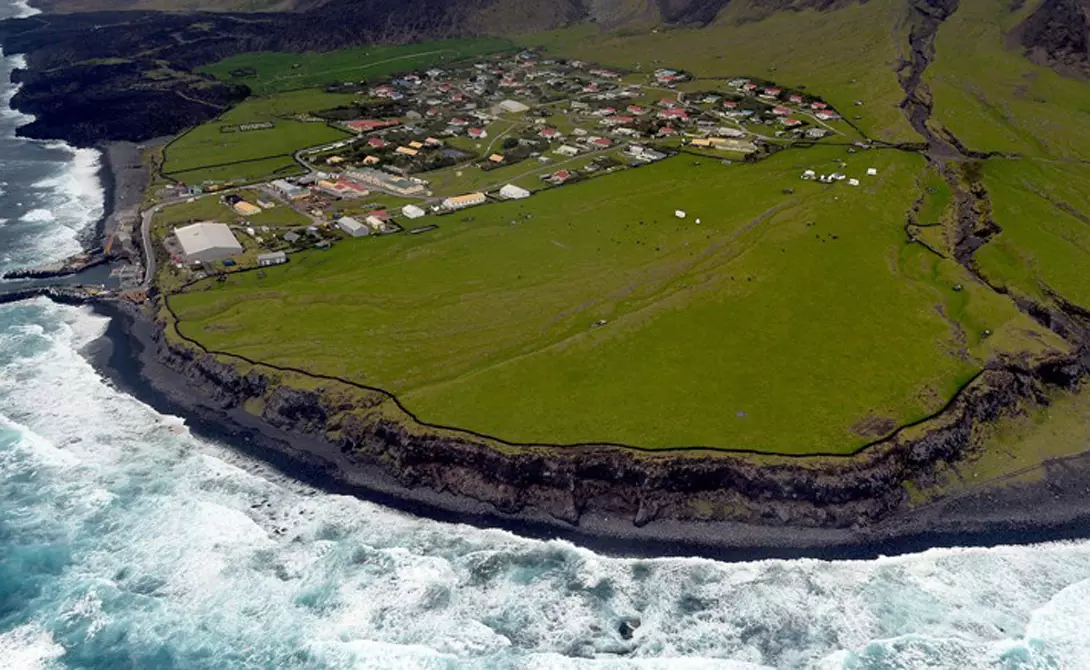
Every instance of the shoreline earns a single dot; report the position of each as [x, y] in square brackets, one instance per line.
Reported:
[1056, 508]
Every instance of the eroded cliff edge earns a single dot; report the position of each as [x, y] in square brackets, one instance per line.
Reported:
[687, 501]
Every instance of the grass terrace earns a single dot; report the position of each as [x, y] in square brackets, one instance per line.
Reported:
[794, 318]
[208, 153]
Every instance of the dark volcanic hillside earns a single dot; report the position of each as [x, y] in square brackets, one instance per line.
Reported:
[1058, 33]
[96, 76]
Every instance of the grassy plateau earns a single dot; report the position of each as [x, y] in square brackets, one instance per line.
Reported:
[787, 322]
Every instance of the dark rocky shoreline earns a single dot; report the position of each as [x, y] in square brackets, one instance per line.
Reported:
[433, 478]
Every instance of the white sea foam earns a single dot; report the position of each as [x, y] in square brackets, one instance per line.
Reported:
[221, 556]
[27, 648]
[23, 9]
[39, 215]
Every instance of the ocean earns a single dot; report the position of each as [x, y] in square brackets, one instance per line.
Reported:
[127, 542]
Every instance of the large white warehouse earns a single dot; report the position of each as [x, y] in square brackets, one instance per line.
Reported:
[207, 241]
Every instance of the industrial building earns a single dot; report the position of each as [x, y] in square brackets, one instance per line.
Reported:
[412, 212]
[512, 192]
[467, 200]
[353, 227]
[386, 181]
[207, 242]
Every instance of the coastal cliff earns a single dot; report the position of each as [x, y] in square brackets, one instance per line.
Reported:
[345, 439]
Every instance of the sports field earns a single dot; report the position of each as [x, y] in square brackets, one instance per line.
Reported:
[267, 72]
[791, 322]
[207, 152]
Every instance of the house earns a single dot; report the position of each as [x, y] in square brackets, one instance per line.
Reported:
[795, 99]
[560, 176]
[416, 145]
[826, 115]
[461, 201]
[635, 109]
[780, 110]
[351, 227]
[617, 121]
[512, 192]
[477, 133]
[407, 151]
[496, 158]
[567, 150]
[412, 212]
[367, 125]
[730, 104]
[371, 160]
[772, 93]
[274, 258]
[674, 113]
[292, 237]
[458, 121]
[376, 223]
[818, 105]
[206, 242]
[549, 133]
[601, 142]
[791, 123]
[432, 142]
[669, 103]
[816, 133]
[666, 130]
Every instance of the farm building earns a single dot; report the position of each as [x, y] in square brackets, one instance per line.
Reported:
[353, 227]
[274, 258]
[207, 241]
[460, 201]
[412, 212]
[512, 192]
[289, 190]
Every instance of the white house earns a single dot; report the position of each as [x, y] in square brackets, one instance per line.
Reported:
[352, 227]
[207, 241]
[872, 171]
[512, 192]
[412, 212]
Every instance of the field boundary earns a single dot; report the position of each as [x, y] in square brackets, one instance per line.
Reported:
[468, 432]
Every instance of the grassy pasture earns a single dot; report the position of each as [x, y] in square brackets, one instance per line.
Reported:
[993, 98]
[276, 72]
[787, 322]
[1044, 211]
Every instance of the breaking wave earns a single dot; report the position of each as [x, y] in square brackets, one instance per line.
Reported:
[139, 542]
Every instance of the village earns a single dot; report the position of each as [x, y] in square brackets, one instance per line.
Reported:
[428, 144]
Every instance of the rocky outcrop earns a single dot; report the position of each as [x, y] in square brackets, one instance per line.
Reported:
[1058, 34]
[567, 483]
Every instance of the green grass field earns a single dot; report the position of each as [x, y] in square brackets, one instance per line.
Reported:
[275, 72]
[1044, 211]
[791, 323]
[994, 99]
[208, 153]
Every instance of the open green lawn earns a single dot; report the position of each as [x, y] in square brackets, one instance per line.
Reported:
[1043, 208]
[209, 208]
[993, 98]
[789, 322]
[844, 55]
[275, 72]
[206, 152]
